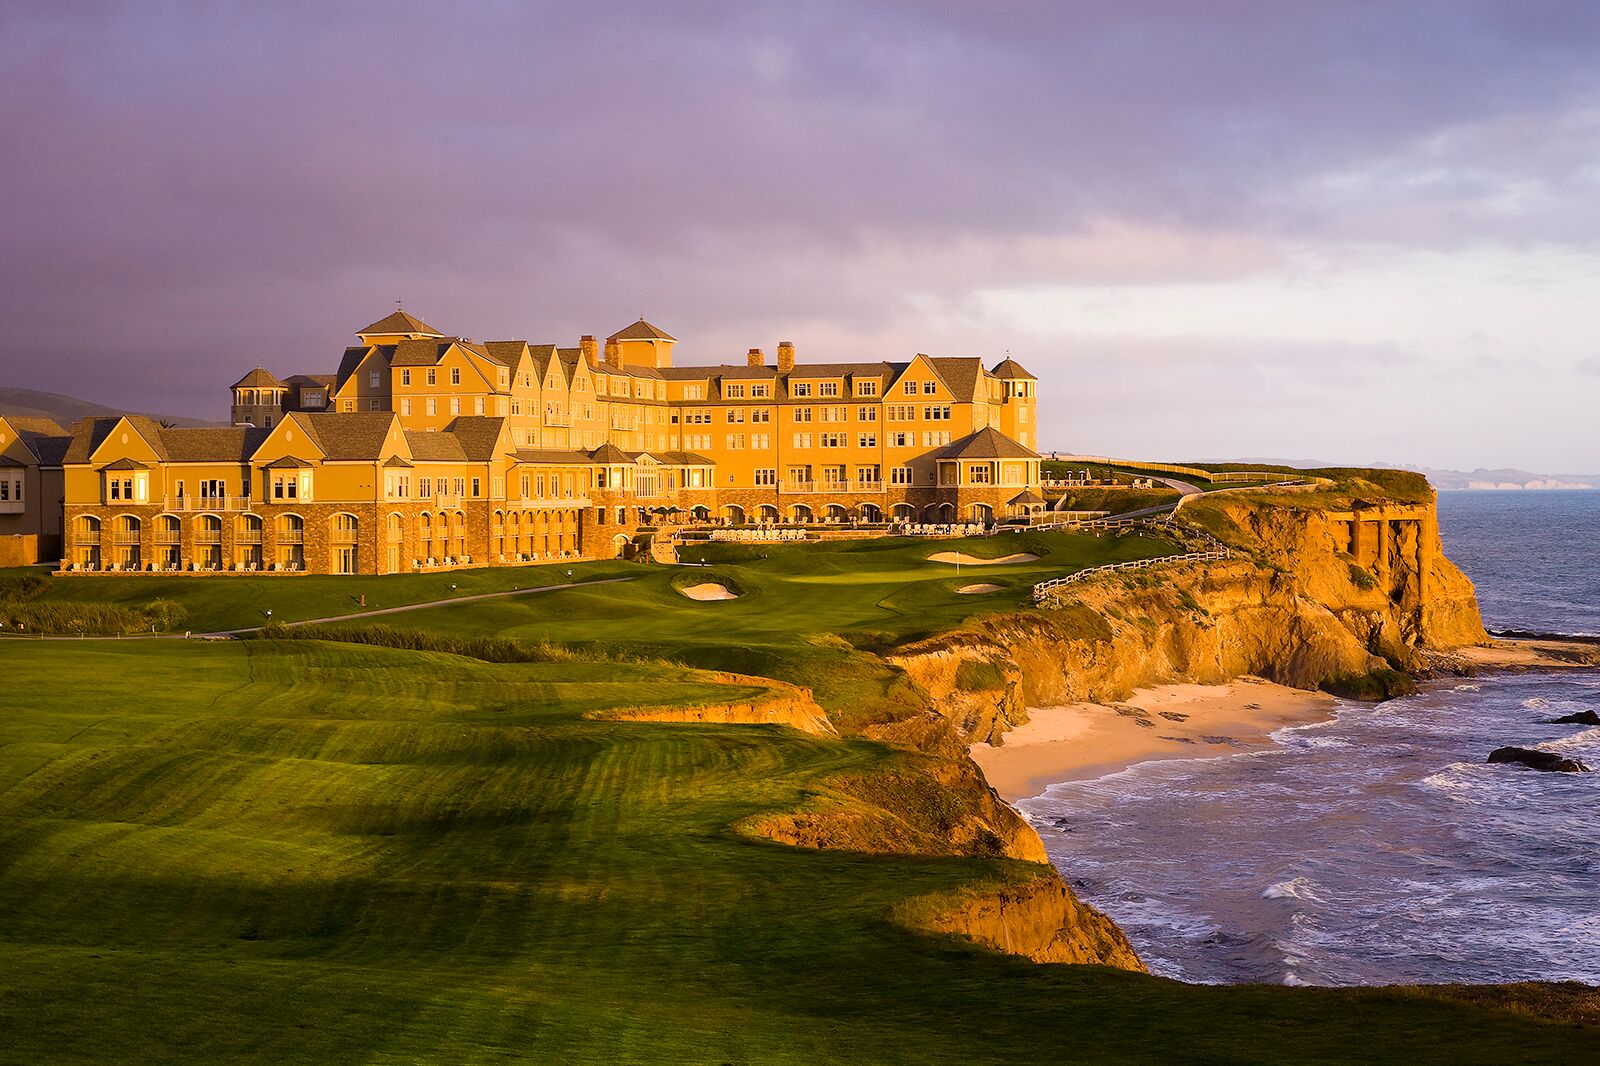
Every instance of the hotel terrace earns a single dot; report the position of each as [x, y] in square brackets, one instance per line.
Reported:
[427, 450]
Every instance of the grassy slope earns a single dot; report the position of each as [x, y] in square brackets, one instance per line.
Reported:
[316, 852]
[227, 601]
[309, 852]
[799, 601]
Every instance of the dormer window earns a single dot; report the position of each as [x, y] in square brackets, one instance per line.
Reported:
[800, 388]
[828, 388]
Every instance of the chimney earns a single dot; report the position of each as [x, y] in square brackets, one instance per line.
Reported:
[785, 356]
[755, 358]
[613, 354]
[589, 348]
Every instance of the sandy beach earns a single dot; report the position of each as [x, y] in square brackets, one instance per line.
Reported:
[1085, 740]
[1525, 653]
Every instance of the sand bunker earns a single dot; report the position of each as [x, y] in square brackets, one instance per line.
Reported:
[972, 560]
[709, 590]
[974, 590]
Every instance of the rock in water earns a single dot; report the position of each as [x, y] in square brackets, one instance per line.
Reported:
[1580, 718]
[1538, 760]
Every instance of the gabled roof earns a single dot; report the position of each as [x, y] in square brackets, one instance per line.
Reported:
[353, 356]
[420, 352]
[733, 372]
[39, 425]
[640, 331]
[506, 353]
[353, 435]
[478, 434]
[258, 379]
[681, 459]
[44, 437]
[807, 371]
[395, 462]
[541, 354]
[233, 444]
[960, 374]
[434, 447]
[89, 433]
[986, 443]
[618, 370]
[1011, 370]
[399, 322]
[126, 464]
[288, 462]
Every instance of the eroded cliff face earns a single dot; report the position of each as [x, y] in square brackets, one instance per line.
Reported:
[1298, 610]
[1313, 598]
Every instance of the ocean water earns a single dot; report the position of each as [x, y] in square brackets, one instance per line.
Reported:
[1379, 847]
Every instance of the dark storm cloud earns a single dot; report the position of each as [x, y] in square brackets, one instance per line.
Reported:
[191, 187]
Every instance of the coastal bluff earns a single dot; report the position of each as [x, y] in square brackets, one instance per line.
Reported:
[1307, 602]
[1294, 606]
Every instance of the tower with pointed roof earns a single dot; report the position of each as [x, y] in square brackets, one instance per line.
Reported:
[641, 344]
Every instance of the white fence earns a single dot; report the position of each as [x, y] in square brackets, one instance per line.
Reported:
[1045, 593]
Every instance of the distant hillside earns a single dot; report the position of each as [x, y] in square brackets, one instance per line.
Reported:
[68, 409]
[1480, 479]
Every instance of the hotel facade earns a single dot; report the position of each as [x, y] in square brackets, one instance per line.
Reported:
[428, 450]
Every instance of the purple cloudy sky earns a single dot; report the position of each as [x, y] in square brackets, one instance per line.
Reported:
[1353, 231]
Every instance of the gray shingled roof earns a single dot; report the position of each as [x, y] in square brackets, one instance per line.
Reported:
[400, 322]
[960, 374]
[610, 453]
[126, 464]
[234, 444]
[419, 353]
[354, 435]
[259, 379]
[428, 447]
[352, 358]
[986, 443]
[1011, 369]
[89, 433]
[506, 353]
[44, 437]
[640, 331]
[478, 434]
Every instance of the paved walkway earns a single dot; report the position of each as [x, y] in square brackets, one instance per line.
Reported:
[349, 617]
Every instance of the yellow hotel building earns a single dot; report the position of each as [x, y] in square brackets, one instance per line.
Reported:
[428, 450]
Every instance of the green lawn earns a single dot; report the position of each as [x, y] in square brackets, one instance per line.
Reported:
[228, 601]
[307, 852]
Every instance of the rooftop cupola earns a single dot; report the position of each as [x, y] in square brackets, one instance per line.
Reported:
[642, 344]
[397, 327]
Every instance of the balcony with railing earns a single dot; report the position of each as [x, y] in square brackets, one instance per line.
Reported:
[192, 504]
[830, 485]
